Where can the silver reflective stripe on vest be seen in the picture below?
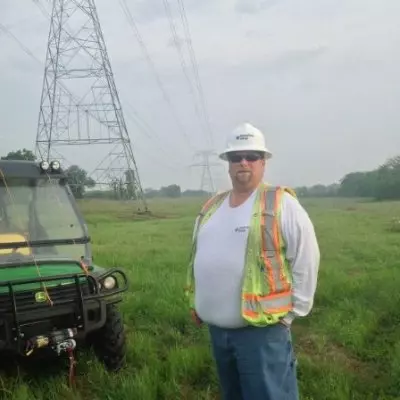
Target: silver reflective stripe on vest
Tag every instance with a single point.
(271, 253)
(274, 303)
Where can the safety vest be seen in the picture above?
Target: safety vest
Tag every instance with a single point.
(267, 285)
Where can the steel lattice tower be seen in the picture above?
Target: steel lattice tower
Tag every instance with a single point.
(207, 180)
(80, 105)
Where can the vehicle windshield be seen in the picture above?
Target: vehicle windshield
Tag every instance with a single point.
(39, 210)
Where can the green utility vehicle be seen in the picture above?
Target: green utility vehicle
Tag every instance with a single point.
(52, 296)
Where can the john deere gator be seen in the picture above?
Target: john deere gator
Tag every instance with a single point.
(52, 296)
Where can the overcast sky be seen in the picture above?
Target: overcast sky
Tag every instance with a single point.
(320, 78)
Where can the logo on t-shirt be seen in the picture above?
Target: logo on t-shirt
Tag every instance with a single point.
(241, 229)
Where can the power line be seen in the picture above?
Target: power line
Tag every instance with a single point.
(135, 29)
(195, 67)
(20, 44)
(181, 57)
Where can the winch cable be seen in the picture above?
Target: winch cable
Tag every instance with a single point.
(84, 267)
(72, 368)
(27, 236)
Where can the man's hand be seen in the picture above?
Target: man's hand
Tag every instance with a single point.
(287, 324)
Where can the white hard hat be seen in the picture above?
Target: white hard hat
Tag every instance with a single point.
(246, 137)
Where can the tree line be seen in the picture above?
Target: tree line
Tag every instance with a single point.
(122, 188)
(382, 183)
(171, 191)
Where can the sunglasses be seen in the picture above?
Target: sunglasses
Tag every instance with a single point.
(250, 157)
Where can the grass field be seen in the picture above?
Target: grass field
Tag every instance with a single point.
(348, 348)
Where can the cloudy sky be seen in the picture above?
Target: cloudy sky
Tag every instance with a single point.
(320, 78)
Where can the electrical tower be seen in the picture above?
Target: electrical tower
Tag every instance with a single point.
(206, 176)
(80, 105)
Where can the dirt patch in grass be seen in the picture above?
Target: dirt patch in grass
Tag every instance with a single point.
(141, 215)
(314, 347)
(356, 272)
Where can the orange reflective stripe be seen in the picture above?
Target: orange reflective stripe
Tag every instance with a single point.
(268, 304)
(276, 239)
(212, 200)
(271, 243)
(208, 204)
(206, 207)
(252, 296)
(255, 314)
(267, 262)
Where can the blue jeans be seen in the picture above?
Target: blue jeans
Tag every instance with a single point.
(255, 363)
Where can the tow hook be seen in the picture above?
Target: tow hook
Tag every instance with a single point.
(65, 346)
(68, 346)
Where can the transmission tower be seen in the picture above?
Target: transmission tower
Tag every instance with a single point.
(207, 180)
(80, 105)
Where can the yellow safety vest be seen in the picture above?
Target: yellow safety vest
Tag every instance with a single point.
(267, 286)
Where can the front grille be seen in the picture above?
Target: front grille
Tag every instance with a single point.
(26, 299)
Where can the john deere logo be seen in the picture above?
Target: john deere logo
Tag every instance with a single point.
(40, 297)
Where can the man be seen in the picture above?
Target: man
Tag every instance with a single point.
(253, 270)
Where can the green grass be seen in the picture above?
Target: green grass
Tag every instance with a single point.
(348, 348)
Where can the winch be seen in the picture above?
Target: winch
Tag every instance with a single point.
(60, 341)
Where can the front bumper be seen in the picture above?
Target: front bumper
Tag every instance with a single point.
(80, 305)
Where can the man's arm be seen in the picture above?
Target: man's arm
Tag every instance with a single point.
(302, 252)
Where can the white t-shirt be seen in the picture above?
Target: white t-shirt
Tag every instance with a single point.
(219, 261)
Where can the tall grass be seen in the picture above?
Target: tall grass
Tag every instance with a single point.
(348, 348)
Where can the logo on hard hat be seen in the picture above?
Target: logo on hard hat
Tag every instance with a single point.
(244, 136)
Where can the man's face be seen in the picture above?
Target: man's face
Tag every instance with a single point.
(246, 168)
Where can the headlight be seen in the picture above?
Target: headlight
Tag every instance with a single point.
(55, 165)
(44, 165)
(109, 282)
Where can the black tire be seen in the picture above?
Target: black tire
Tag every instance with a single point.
(109, 342)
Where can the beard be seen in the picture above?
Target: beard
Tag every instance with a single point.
(243, 176)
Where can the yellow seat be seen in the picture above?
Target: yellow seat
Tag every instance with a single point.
(14, 238)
